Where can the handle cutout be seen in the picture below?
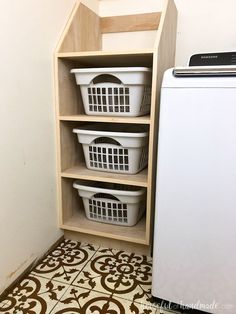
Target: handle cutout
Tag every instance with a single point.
(106, 78)
(106, 195)
(106, 140)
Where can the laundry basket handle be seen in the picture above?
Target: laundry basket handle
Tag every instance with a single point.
(106, 195)
(106, 140)
(106, 78)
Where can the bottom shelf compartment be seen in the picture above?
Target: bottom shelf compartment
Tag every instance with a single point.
(74, 218)
(78, 222)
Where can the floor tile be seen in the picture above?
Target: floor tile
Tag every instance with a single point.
(33, 295)
(124, 275)
(64, 263)
(84, 301)
(85, 279)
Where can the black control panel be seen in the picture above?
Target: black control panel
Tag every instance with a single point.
(211, 59)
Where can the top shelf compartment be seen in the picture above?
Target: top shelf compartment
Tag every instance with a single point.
(86, 31)
(69, 95)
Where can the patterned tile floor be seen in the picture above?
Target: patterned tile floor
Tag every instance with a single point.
(83, 278)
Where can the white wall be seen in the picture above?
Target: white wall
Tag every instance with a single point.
(205, 26)
(29, 31)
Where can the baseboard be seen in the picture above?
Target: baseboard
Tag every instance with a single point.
(29, 269)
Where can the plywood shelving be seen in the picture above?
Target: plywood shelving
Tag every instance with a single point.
(81, 46)
(84, 117)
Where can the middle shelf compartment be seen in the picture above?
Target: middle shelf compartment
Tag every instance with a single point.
(72, 157)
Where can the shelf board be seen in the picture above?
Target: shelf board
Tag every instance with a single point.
(84, 117)
(98, 53)
(79, 223)
(110, 58)
(81, 172)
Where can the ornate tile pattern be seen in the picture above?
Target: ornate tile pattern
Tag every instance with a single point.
(33, 295)
(65, 262)
(83, 278)
(118, 273)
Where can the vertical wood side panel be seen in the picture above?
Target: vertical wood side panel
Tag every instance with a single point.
(58, 150)
(83, 33)
(163, 58)
(67, 26)
(69, 96)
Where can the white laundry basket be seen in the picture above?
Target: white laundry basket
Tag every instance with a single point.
(115, 91)
(123, 151)
(112, 203)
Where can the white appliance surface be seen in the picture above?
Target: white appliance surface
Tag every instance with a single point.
(194, 260)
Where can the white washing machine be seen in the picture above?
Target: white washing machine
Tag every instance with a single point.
(194, 262)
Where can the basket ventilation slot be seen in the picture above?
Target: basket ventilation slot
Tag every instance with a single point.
(109, 158)
(105, 210)
(109, 99)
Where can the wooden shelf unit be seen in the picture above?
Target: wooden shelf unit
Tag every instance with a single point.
(81, 47)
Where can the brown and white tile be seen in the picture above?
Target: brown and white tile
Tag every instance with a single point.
(33, 295)
(64, 263)
(85, 279)
(84, 301)
(123, 275)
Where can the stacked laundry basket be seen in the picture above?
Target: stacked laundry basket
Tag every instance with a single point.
(114, 147)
